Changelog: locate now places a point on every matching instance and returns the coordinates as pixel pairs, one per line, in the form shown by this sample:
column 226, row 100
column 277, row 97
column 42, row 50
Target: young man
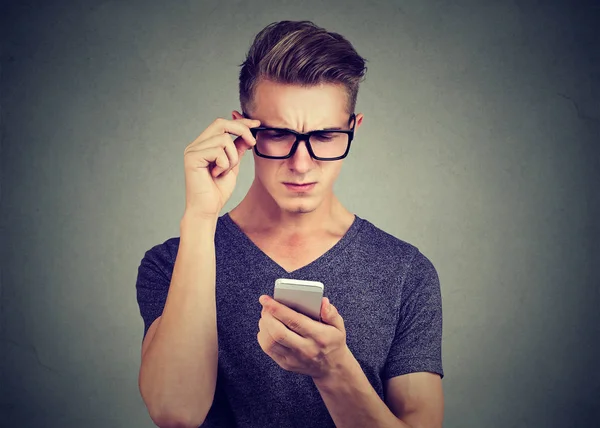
column 216, row 352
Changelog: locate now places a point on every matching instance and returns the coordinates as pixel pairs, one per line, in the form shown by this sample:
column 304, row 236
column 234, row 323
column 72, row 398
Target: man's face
column 303, row 110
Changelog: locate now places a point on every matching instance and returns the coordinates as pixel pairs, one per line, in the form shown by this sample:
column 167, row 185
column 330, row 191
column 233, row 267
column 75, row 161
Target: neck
column 259, row 213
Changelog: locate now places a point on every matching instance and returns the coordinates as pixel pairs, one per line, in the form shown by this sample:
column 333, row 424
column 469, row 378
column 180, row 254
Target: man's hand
column 212, row 162
column 300, row 344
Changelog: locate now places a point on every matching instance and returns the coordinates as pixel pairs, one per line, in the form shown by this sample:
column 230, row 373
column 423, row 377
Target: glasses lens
column 329, row 144
column 278, row 143
column 273, row 142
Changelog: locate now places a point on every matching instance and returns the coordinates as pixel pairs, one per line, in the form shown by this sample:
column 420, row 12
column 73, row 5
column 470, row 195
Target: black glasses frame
column 306, row 139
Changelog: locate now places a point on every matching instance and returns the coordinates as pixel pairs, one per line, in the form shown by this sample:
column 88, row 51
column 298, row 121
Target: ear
column 359, row 119
column 235, row 115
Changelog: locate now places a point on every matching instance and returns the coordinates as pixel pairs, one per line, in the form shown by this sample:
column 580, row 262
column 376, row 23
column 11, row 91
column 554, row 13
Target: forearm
column 179, row 368
column 352, row 401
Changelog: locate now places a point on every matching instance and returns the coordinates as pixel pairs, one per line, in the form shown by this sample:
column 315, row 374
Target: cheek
column 330, row 173
column 265, row 170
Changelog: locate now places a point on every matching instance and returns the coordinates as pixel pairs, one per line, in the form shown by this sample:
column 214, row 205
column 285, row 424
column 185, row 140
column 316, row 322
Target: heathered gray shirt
column 385, row 289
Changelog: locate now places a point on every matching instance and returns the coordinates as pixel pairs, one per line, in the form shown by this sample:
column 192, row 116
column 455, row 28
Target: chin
column 298, row 205
column 302, row 210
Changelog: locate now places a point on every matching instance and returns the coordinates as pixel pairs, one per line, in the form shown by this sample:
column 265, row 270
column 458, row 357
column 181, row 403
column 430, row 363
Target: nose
column 301, row 161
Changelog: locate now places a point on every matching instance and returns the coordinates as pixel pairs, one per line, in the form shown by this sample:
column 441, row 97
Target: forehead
column 299, row 107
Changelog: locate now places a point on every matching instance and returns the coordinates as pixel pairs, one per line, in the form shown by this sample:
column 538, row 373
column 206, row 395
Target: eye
column 324, row 136
column 273, row 134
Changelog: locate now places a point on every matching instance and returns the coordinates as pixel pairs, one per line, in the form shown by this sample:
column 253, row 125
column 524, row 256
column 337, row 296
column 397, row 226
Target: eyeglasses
column 323, row 145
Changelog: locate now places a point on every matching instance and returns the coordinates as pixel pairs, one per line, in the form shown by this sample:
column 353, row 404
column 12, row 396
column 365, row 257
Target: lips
column 300, row 186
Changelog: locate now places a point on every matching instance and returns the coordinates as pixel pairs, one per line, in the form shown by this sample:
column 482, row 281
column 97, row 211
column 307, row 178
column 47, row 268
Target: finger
column 274, row 350
column 221, row 163
column 201, row 158
column 240, row 127
column 299, row 323
column 223, row 141
column 279, row 333
column 242, row 144
column 331, row 316
column 219, row 140
column 215, row 148
column 241, row 149
column 232, row 154
column 246, row 140
column 265, row 332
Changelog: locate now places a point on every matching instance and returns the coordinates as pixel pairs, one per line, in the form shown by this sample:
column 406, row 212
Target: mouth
column 300, row 187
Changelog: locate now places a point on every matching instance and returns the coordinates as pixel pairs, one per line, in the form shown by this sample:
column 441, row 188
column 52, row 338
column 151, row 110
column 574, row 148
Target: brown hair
column 300, row 53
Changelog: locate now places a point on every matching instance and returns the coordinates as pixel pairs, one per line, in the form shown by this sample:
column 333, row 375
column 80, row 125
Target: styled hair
column 300, row 53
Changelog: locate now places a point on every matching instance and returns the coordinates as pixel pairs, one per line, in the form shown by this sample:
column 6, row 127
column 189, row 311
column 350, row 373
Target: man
column 217, row 352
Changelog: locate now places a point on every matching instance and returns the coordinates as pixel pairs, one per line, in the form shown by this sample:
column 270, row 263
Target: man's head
column 300, row 77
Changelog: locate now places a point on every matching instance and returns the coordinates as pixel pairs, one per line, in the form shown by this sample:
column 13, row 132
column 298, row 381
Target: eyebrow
column 334, row 128
column 266, row 125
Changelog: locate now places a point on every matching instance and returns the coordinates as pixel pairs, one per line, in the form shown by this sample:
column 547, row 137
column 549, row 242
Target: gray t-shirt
column 386, row 290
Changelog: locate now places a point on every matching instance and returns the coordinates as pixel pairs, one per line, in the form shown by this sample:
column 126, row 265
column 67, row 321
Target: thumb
column 331, row 315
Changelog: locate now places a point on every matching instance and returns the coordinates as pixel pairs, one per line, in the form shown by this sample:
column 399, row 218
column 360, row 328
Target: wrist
column 194, row 224
column 343, row 367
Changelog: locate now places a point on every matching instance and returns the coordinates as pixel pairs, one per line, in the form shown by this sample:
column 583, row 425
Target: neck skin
column 258, row 213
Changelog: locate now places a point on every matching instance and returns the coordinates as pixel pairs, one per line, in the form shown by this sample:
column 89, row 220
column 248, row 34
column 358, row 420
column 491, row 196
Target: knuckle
column 312, row 353
column 279, row 338
column 232, row 148
column 321, row 341
column 293, row 323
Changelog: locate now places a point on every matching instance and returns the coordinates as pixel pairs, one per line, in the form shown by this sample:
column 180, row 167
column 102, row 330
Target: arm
column 412, row 401
column 178, row 371
column 416, row 398
column 413, row 370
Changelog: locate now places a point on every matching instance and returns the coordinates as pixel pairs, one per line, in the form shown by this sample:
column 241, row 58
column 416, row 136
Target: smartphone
column 300, row 295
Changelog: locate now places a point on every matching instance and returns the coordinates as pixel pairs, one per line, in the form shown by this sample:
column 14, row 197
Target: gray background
column 479, row 146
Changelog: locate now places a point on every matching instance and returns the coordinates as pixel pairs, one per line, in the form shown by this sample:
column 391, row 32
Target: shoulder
column 159, row 260
column 163, row 252
column 391, row 250
column 376, row 240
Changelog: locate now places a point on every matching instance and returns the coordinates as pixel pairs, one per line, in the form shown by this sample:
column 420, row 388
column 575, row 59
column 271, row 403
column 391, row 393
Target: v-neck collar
column 321, row 261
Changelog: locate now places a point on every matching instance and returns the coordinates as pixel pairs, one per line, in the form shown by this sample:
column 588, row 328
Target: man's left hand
column 300, row 344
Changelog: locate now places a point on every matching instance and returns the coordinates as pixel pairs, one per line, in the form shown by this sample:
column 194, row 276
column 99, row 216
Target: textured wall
column 479, row 146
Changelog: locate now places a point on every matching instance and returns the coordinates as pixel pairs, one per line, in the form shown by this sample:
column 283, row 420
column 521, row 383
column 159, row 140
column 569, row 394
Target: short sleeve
column 153, row 280
column 417, row 344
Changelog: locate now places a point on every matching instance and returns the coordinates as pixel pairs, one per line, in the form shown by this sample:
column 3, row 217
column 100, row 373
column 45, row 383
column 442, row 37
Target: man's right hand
column 211, row 164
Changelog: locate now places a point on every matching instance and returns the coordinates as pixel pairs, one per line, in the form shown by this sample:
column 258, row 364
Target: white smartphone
column 300, row 295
